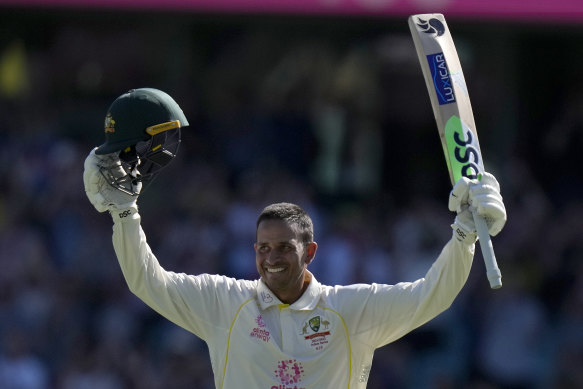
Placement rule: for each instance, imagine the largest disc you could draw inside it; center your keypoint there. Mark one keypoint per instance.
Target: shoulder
(221, 281)
(356, 292)
(217, 286)
(350, 289)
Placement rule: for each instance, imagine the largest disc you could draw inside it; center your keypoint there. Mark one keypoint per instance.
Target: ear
(311, 252)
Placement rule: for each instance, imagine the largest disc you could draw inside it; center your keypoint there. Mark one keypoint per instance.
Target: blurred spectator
(512, 342)
(19, 367)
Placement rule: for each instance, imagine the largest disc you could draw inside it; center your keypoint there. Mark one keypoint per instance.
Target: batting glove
(480, 196)
(100, 192)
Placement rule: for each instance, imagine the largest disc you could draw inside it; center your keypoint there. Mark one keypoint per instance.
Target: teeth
(275, 270)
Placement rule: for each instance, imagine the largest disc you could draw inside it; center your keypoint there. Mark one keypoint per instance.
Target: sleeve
(379, 314)
(200, 304)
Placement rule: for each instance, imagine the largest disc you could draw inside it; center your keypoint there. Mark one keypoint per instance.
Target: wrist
(463, 234)
(124, 213)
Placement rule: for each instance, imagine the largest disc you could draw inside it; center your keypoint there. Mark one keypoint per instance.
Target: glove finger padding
(459, 195)
(91, 181)
(100, 192)
(482, 197)
(485, 198)
(115, 198)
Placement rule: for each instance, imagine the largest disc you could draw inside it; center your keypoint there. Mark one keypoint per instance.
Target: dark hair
(292, 214)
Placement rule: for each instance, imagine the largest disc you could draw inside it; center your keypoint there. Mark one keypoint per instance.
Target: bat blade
(453, 113)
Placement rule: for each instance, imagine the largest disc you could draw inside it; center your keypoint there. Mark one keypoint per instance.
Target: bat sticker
(433, 26)
(441, 78)
(463, 150)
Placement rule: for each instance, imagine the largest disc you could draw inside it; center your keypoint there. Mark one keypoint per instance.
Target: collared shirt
(325, 339)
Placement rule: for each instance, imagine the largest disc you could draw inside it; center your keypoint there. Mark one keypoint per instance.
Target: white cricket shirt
(326, 339)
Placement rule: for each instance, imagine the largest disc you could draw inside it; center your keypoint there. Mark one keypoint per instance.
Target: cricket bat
(453, 112)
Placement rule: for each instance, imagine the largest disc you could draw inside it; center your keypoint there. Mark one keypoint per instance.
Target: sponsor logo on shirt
(290, 373)
(260, 332)
(286, 387)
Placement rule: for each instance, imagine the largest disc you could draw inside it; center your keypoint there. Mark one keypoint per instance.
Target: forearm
(444, 280)
(175, 296)
(139, 266)
(382, 313)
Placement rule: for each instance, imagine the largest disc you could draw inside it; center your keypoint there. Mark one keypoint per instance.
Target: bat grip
(492, 270)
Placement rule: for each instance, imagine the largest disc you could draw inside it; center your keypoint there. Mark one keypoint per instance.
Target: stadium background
(321, 103)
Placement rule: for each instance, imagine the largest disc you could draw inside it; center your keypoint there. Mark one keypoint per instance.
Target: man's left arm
(384, 313)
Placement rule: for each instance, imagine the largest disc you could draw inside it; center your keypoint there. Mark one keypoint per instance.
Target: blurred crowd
(277, 113)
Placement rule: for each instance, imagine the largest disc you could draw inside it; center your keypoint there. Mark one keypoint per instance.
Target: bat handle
(492, 270)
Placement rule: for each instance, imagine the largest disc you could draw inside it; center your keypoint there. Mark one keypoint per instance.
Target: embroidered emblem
(314, 323)
(266, 297)
(109, 124)
(318, 339)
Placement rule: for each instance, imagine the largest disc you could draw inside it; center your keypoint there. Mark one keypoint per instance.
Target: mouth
(274, 269)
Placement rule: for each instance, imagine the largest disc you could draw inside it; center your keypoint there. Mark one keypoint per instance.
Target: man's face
(281, 259)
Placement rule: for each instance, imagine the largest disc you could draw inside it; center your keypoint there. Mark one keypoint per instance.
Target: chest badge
(318, 337)
(314, 323)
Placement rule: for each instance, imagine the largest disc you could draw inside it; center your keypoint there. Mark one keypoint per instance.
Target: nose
(272, 257)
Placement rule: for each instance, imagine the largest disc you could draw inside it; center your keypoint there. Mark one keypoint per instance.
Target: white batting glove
(481, 196)
(100, 192)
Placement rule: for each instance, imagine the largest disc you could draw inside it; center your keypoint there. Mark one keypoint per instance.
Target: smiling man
(284, 249)
(285, 330)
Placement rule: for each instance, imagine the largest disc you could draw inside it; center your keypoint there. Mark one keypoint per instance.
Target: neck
(292, 297)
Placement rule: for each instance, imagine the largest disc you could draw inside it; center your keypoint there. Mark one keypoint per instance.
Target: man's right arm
(199, 303)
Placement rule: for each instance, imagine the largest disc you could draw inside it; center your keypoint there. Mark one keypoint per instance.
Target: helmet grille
(145, 160)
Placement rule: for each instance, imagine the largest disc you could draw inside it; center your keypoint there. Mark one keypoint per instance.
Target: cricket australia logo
(431, 26)
(314, 323)
(319, 337)
(109, 123)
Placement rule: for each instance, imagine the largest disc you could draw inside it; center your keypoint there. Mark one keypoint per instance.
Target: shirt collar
(307, 301)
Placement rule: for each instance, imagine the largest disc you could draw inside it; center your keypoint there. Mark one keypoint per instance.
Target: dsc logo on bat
(463, 150)
(441, 79)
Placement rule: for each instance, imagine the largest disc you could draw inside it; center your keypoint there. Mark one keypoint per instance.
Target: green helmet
(136, 116)
(143, 126)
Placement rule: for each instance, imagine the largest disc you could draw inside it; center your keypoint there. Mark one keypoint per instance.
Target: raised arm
(201, 304)
(384, 313)
(142, 134)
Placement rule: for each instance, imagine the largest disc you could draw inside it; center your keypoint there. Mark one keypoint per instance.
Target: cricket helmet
(143, 125)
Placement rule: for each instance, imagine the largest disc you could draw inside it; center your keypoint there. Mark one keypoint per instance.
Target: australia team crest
(318, 336)
(315, 323)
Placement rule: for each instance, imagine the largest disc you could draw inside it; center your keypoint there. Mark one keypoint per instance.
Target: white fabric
(100, 193)
(326, 339)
